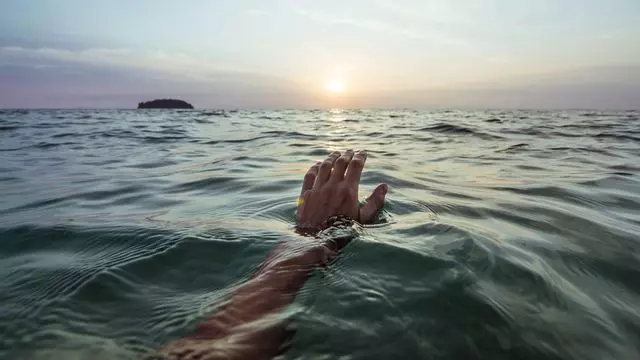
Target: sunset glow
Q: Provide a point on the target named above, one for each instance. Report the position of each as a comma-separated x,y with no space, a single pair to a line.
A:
321,54
335,86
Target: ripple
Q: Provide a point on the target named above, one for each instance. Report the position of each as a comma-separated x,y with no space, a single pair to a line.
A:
515,148
507,234
448,128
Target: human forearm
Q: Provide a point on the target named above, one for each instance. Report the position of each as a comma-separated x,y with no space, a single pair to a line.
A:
271,288
246,326
249,318
276,282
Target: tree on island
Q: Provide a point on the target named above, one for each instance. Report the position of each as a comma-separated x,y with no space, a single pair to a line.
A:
165,104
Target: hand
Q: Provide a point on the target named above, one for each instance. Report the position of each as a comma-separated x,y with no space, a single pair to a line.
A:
331,188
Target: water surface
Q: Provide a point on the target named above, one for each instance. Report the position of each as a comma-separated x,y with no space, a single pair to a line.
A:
507,234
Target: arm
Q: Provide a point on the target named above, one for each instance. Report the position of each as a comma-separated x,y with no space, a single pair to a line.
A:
246,327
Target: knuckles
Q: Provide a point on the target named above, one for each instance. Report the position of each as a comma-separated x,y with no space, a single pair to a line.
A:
347,192
341,162
357,163
326,164
308,177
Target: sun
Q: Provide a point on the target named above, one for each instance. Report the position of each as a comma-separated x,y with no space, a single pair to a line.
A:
334,86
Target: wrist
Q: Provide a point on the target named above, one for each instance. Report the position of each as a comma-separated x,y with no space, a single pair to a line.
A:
335,221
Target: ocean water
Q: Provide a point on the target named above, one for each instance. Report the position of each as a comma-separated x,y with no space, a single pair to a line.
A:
506,234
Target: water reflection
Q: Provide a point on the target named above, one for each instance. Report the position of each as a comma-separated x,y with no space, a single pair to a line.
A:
507,234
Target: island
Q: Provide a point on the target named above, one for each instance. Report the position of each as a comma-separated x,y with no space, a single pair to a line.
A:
165,104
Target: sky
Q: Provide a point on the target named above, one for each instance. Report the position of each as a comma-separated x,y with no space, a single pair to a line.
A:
319,54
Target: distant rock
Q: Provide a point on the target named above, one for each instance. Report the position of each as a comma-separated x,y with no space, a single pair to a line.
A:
165,104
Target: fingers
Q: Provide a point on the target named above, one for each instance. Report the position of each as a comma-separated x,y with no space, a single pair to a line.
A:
341,164
374,203
354,170
325,169
310,178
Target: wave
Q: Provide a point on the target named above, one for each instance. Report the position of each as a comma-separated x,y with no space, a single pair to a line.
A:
9,127
616,136
515,148
445,128
506,234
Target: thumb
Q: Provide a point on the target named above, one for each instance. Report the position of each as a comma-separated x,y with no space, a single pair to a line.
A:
374,203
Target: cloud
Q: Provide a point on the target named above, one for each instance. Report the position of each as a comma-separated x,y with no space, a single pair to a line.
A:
455,13
157,64
167,63
594,87
103,77
99,77
89,86
375,25
368,24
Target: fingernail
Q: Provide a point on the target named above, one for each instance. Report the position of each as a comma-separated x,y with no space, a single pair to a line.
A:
385,188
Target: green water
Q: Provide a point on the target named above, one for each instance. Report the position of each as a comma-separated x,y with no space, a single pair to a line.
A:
506,234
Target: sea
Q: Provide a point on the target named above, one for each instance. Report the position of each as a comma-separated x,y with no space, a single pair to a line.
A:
507,234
